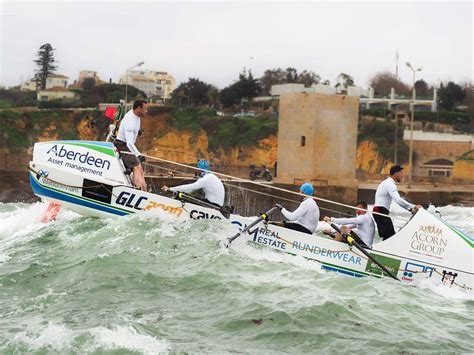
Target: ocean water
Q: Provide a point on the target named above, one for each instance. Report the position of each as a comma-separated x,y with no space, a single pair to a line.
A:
141,284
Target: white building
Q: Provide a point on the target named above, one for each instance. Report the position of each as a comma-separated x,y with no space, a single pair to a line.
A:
154,84
29,85
167,83
55,80
55,93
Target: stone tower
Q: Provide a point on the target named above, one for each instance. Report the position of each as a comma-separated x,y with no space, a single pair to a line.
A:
317,139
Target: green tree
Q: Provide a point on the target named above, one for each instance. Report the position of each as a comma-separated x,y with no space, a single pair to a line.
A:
213,96
291,75
344,80
422,89
450,95
271,77
45,62
308,78
109,93
194,90
246,87
88,84
278,76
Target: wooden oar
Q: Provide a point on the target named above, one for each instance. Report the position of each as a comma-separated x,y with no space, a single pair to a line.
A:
262,217
224,211
351,241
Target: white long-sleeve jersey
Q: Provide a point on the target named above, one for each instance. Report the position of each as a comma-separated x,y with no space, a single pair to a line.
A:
386,192
307,214
365,226
128,131
211,186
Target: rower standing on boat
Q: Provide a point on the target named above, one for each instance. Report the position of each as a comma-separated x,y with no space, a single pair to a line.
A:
364,224
211,185
386,192
127,135
305,218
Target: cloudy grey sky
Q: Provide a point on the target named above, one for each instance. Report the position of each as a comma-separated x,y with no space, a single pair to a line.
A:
215,40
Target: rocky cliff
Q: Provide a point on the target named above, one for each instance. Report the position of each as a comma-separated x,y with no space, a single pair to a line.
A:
369,160
161,138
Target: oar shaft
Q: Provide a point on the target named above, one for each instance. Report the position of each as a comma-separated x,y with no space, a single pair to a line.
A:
199,202
245,229
352,241
257,221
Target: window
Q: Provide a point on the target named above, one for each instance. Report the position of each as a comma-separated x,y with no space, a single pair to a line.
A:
303,141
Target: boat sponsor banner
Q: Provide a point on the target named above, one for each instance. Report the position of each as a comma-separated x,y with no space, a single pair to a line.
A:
131,200
82,161
338,255
89,159
97,191
428,240
270,237
60,186
412,269
391,264
167,208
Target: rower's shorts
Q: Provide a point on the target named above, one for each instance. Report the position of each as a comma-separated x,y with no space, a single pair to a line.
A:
129,160
296,226
384,224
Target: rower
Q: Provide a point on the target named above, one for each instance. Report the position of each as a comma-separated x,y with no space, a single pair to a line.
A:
305,218
364,224
210,184
386,192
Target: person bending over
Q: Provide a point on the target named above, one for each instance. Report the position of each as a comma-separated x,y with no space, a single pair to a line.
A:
364,224
210,184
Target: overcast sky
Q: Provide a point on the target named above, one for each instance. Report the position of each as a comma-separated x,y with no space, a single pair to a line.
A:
213,41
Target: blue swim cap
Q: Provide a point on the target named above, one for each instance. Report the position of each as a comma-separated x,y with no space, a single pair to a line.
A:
203,164
307,189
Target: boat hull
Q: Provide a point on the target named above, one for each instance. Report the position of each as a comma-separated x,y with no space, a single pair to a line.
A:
426,248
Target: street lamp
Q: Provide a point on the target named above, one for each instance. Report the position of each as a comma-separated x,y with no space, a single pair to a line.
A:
410,155
126,80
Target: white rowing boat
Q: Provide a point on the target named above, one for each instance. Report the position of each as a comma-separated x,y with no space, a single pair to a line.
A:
88,177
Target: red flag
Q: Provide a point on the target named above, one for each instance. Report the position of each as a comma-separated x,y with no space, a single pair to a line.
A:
110,113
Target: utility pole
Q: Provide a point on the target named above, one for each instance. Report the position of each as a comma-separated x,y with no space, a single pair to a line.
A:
410,156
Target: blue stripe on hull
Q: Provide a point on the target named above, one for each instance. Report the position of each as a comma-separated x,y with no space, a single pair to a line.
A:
40,190
342,271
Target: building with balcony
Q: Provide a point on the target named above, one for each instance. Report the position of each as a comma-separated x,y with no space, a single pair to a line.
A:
155,84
